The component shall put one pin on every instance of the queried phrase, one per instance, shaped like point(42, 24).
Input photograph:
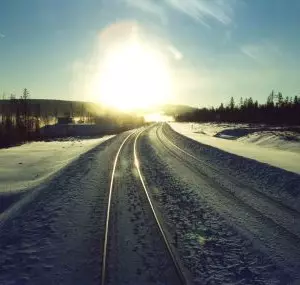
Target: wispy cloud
point(252, 51)
point(2, 36)
point(262, 52)
point(175, 52)
point(199, 10)
point(148, 6)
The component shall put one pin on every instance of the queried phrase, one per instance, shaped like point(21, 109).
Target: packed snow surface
point(234, 220)
point(29, 164)
point(53, 233)
point(277, 146)
point(56, 235)
point(229, 219)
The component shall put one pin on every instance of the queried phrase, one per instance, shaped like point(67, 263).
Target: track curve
point(134, 234)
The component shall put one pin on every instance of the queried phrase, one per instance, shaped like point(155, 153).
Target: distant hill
point(60, 107)
point(23, 120)
point(76, 108)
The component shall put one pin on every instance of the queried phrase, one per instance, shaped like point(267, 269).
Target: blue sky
point(217, 48)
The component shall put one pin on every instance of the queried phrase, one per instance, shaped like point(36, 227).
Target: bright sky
point(214, 49)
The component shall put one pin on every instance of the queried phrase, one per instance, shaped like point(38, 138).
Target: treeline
point(19, 120)
point(276, 110)
point(22, 118)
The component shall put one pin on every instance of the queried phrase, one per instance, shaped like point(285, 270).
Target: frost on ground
point(281, 185)
point(212, 248)
point(137, 254)
point(277, 146)
point(23, 167)
point(56, 237)
point(26, 165)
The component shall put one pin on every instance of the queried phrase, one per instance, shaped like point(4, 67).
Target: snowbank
point(30, 164)
point(279, 147)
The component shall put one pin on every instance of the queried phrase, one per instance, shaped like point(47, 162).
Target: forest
point(21, 118)
point(276, 110)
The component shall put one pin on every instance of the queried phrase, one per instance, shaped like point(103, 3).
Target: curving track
point(93, 224)
point(252, 217)
point(140, 252)
point(147, 207)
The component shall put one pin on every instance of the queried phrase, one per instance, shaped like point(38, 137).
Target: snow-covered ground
point(54, 233)
point(229, 225)
point(277, 146)
point(30, 164)
point(57, 236)
point(230, 220)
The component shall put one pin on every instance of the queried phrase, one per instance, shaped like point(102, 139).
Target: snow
point(221, 238)
point(54, 234)
point(277, 146)
point(28, 165)
point(137, 254)
point(241, 174)
point(56, 237)
point(230, 219)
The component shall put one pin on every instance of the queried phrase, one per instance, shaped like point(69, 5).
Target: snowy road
point(229, 220)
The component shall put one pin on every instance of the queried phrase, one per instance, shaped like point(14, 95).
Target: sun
point(133, 76)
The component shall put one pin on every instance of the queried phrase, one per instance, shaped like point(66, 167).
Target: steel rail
point(104, 256)
point(161, 230)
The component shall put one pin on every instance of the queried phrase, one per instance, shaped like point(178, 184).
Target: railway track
point(262, 212)
point(148, 210)
point(288, 219)
point(246, 193)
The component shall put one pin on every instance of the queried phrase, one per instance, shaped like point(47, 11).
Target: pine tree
point(280, 99)
point(270, 100)
point(231, 104)
point(241, 102)
point(250, 102)
point(24, 99)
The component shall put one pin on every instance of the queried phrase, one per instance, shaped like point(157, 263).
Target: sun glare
point(133, 76)
point(158, 117)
